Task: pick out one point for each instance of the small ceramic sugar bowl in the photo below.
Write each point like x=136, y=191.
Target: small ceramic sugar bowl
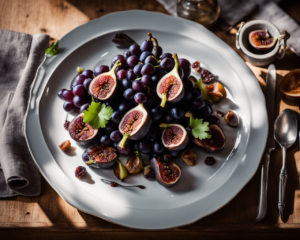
x=253, y=56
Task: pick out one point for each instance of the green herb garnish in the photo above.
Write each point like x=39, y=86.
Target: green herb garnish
x=97, y=115
x=52, y=50
x=199, y=128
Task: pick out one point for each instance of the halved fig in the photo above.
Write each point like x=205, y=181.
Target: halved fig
x=167, y=174
x=189, y=157
x=81, y=132
x=135, y=124
x=120, y=171
x=174, y=136
x=261, y=40
x=101, y=157
x=214, y=92
x=231, y=119
x=216, y=142
x=134, y=163
x=290, y=85
x=170, y=86
x=103, y=86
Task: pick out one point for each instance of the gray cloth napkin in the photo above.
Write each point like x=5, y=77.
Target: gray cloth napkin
x=234, y=11
x=20, y=56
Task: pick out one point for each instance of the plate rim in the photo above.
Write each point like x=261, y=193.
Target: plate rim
x=129, y=12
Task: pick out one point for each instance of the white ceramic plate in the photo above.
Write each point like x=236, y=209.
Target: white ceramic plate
x=202, y=189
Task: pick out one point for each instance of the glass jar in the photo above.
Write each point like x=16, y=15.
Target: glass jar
x=205, y=12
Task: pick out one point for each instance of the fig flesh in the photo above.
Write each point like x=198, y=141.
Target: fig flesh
x=189, y=157
x=134, y=163
x=174, y=136
x=81, y=132
x=170, y=86
x=215, y=92
x=135, y=124
x=261, y=40
x=290, y=85
x=231, y=119
x=101, y=157
x=120, y=171
x=103, y=86
x=167, y=174
x=216, y=142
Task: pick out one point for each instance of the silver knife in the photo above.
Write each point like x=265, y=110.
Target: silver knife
x=270, y=104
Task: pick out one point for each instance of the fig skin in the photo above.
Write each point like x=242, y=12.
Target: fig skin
x=156, y=164
x=86, y=141
x=290, y=85
x=206, y=144
x=136, y=157
x=96, y=150
x=120, y=171
x=189, y=157
x=182, y=144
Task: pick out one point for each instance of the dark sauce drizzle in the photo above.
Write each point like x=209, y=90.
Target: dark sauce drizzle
x=115, y=184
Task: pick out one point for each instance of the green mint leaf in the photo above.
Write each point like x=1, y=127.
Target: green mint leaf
x=52, y=50
x=97, y=115
x=199, y=128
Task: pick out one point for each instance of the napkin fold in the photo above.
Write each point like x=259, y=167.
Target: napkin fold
x=234, y=11
x=20, y=56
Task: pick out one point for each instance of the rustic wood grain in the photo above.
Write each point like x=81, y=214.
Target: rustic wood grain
x=50, y=217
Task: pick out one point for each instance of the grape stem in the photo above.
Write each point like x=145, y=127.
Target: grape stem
x=123, y=141
x=163, y=99
x=79, y=69
x=150, y=36
x=90, y=162
x=163, y=125
x=117, y=63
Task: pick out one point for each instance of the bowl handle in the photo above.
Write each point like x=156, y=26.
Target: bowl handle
x=237, y=44
x=281, y=51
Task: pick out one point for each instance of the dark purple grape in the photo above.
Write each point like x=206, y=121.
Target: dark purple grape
x=138, y=86
x=167, y=55
x=126, y=83
x=116, y=117
x=166, y=158
x=167, y=106
x=146, y=46
x=147, y=80
x=188, y=85
x=127, y=54
x=110, y=126
x=159, y=72
x=140, y=97
x=158, y=148
x=148, y=69
x=135, y=50
x=166, y=64
x=69, y=107
x=122, y=60
x=60, y=93
x=177, y=113
x=131, y=75
x=204, y=112
x=159, y=51
x=137, y=70
x=197, y=94
x=174, y=153
x=153, y=134
x=88, y=73
x=128, y=94
x=151, y=101
x=124, y=107
x=132, y=61
x=144, y=55
x=212, y=119
x=105, y=140
x=155, y=80
x=84, y=107
x=79, y=90
x=121, y=74
x=197, y=104
x=85, y=157
x=112, y=104
x=79, y=80
x=187, y=96
x=79, y=101
x=180, y=72
x=209, y=104
x=68, y=95
x=168, y=118
x=156, y=113
x=116, y=136
x=101, y=69
x=145, y=146
x=186, y=67
x=151, y=60
x=126, y=151
x=86, y=83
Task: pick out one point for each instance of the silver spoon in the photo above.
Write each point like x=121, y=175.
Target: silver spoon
x=285, y=134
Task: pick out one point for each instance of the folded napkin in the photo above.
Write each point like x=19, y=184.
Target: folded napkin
x=20, y=56
x=234, y=11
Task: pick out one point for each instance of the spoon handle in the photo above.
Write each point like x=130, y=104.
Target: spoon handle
x=282, y=183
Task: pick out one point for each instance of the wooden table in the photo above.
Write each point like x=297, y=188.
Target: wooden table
x=50, y=217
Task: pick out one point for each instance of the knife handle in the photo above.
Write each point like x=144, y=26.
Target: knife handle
x=262, y=203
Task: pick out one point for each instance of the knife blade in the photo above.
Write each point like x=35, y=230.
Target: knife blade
x=270, y=146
